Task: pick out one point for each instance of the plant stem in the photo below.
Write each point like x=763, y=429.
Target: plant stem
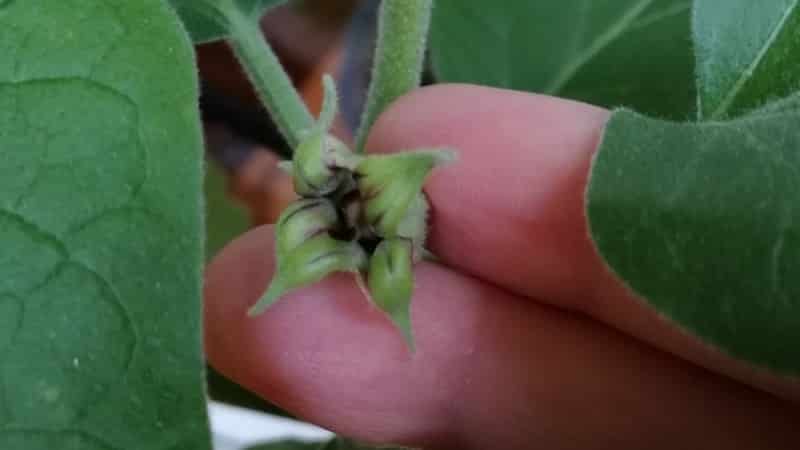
x=270, y=80
x=399, y=55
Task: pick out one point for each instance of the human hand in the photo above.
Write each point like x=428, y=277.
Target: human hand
x=524, y=338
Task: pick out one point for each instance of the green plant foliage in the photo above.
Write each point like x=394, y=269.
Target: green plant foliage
x=702, y=220
x=100, y=226
x=697, y=218
x=634, y=53
x=206, y=23
x=746, y=54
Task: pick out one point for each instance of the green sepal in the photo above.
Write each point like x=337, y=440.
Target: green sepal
x=303, y=219
x=391, y=283
x=305, y=250
x=310, y=262
x=414, y=225
x=391, y=185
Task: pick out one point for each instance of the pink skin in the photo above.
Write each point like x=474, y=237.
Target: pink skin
x=524, y=337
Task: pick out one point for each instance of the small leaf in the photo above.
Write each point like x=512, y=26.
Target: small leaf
x=391, y=185
x=391, y=282
x=205, y=19
x=703, y=221
x=634, y=53
x=100, y=228
x=746, y=54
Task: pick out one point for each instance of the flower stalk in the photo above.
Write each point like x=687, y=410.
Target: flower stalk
x=399, y=58
x=270, y=80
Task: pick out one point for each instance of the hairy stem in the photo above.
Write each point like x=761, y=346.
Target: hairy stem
x=270, y=80
x=400, y=53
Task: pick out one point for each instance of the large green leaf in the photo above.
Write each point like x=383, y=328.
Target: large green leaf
x=100, y=228
x=746, y=53
x=206, y=22
x=703, y=221
x=634, y=53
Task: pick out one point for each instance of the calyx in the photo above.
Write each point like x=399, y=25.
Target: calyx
x=365, y=214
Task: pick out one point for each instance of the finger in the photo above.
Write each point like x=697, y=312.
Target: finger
x=491, y=371
x=511, y=209
x=511, y=205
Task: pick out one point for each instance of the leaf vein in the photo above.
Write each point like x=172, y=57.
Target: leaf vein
x=604, y=40
x=730, y=97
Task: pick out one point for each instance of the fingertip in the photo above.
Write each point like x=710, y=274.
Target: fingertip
x=435, y=115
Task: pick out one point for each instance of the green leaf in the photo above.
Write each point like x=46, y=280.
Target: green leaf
x=746, y=53
x=703, y=221
x=206, y=23
x=634, y=53
x=101, y=228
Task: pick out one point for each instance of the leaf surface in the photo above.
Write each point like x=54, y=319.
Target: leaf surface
x=100, y=228
x=703, y=221
x=746, y=54
x=634, y=53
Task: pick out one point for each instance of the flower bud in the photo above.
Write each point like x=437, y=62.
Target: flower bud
x=313, y=173
x=320, y=157
x=391, y=282
x=391, y=186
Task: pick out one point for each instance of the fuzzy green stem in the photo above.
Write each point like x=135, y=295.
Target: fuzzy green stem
x=399, y=56
x=270, y=80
